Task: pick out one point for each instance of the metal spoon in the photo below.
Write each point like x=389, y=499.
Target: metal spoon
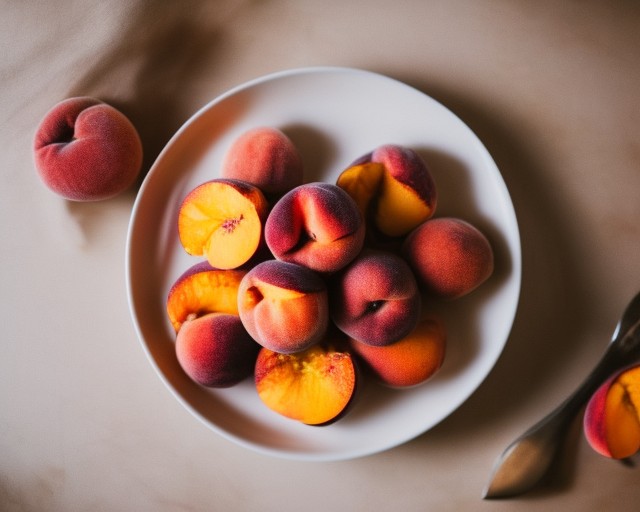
x=527, y=459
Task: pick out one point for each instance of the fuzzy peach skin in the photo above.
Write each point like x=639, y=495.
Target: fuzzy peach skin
x=222, y=219
x=375, y=299
x=215, y=350
x=86, y=150
x=410, y=361
x=612, y=416
x=202, y=289
x=316, y=225
x=283, y=306
x=316, y=386
x=449, y=256
x=393, y=189
x=266, y=157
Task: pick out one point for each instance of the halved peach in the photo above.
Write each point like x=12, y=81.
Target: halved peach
x=612, y=416
x=222, y=219
x=393, y=189
x=202, y=289
x=315, y=386
x=410, y=361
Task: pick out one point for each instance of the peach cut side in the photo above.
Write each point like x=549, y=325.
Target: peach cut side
x=222, y=223
x=622, y=415
x=313, y=386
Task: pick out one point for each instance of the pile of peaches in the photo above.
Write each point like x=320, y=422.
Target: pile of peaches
x=302, y=285
x=307, y=286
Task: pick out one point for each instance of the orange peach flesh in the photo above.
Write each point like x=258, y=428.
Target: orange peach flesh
x=410, y=361
x=622, y=415
x=223, y=224
x=395, y=207
x=204, y=292
x=313, y=386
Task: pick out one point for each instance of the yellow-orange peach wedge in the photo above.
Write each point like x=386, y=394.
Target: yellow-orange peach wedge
x=266, y=157
x=410, y=361
x=612, y=416
x=315, y=387
x=393, y=189
x=202, y=289
x=449, y=256
x=316, y=225
x=283, y=306
x=215, y=350
x=222, y=219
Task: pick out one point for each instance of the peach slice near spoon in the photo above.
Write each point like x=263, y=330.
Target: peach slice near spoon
x=612, y=416
x=527, y=459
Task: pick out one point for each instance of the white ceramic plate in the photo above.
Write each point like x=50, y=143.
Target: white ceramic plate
x=333, y=115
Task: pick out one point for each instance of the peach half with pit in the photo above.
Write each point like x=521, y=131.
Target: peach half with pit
x=265, y=157
x=87, y=150
x=375, y=299
x=612, y=416
x=215, y=350
x=316, y=386
x=393, y=188
x=449, y=256
x=202, y=289
x=316, y=225
x=410, y=361
x=283, y=306
x=222, y=219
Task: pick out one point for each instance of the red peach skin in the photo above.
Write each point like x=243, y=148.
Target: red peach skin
x=215, y=350
x=316, y=225
x=449, y=256
x=375, y=299
x=265, y=157
x=86, y=150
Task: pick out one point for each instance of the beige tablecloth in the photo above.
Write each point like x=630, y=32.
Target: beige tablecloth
x=552, y=90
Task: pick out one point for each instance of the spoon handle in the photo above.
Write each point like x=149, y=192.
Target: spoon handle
x=523, y=464
x=612, y=360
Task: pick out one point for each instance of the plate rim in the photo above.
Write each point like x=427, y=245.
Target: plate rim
x=515, y=254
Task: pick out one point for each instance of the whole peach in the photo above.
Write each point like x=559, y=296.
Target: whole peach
x=265, y=157
x=86, y=150
x=449, y=256
x=203, y=289
x=215, y=350
x=283, y=306
x=375, y=299
x=316, y=225
x=410, y=361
